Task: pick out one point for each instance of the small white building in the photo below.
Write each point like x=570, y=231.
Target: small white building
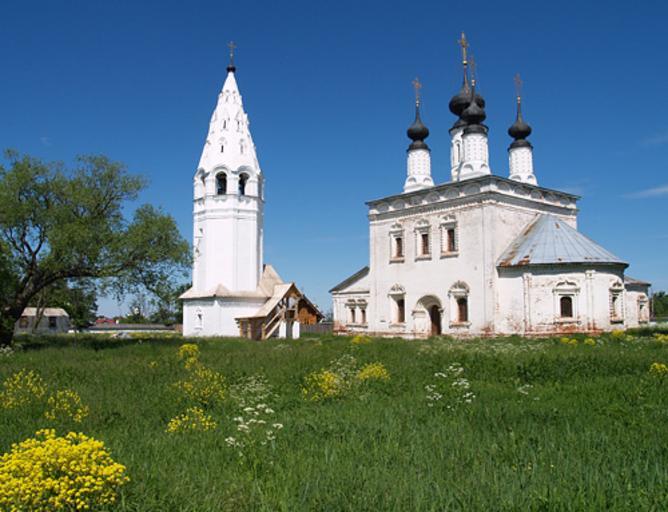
x=45, y=321
x=482, y=254
x=234, y=293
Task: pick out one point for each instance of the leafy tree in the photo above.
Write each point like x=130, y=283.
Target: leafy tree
x=61, y=225
x=168, y=309
x=660, y=304
x=78, y=299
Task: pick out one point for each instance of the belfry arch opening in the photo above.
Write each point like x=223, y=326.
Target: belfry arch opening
x=221, y=183
x=243, y=181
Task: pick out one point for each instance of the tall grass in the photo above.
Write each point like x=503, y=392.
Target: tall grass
x=552, y=426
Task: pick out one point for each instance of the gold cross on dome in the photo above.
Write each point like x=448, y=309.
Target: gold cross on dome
x=231, y=46
x=472, y=65
x=464, y=44
x=417, y=86
x=518, y=86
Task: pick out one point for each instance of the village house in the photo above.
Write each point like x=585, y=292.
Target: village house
x=43, y=321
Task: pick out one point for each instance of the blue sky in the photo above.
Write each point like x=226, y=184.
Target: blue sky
x=328, y=90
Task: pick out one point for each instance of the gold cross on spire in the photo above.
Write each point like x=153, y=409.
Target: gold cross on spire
x=231, y=46
x=473, y=71
x=464, y=44
x=518, y=87
x=417, y=86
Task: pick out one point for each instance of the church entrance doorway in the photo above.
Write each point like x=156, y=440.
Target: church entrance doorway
x=435, y=319
x=428, y=316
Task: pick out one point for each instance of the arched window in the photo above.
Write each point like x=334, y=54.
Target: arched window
x=221, y=183
x=241, y=147
x=243, y=179
x=566, y=307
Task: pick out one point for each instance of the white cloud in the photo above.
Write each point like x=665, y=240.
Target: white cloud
x=656, y=140
x=661, y=190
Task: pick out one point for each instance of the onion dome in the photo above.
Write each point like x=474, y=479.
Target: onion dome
x=473, y=113
x=519, y=130
x=417, y=132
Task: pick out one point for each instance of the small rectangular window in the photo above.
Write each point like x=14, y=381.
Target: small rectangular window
x=450, y=233
x=363, y=315
x=462, y=310
x=23, y=322
x=425, y=243
x=352, y=315
x=398, y=247
x=566, y=307
x=53, y=322
x=401, y=311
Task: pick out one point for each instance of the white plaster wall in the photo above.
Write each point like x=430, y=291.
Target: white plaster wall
x=632, y=299
x=218, y=315
x=530, y=291
x=418, y=170
x=520, y=161
x=432, y=276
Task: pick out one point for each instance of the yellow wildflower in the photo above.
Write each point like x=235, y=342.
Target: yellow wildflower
x=66, y=404
x=618, y=334
x=590, y=341
x=52, y=473
x=360, y=339
x=193, y=420
x=21, y=388
x=188, y=351
x=659, y=369
x=663, y=338
x=322, y=385
x=569, y=341
x=373, y=371
x=203, y=385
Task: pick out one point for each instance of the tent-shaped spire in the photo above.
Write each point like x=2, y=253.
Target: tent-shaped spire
x=229, y=142
x=549, y=240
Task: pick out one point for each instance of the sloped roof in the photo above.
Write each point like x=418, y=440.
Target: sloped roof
x=350, y=280
x=635, y=282
x=47, y=312
x=549, y=240
x=280, y=291
x=264, y=290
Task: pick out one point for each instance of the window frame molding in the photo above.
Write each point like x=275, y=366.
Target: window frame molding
x=397, y=231
x=447, y=223
x=423, y=227
x=566, y=288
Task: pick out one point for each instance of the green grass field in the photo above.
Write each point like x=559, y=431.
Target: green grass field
x=550, y=426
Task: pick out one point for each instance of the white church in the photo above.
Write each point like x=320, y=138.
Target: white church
x=482, y=254
x=233, y=292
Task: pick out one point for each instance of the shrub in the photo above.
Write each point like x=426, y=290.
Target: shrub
x=52, y=473
x=322, y=385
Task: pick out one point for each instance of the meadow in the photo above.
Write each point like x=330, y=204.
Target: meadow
x=323, y=423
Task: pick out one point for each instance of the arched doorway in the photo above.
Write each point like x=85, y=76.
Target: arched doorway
x=428, y=316
x=435, y=319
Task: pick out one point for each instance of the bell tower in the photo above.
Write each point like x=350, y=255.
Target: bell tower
x=228, y=199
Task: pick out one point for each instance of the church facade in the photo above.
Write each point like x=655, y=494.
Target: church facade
x=482, y=254
x=233, y=292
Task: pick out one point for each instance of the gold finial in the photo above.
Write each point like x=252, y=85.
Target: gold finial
x=231, y=46
x=472, y=65
x=417, y=86
x=518, y=87
x=464, y=44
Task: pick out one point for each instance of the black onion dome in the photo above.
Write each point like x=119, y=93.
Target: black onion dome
x=417, y=132
x=474, y=113
x=460, y=100
x=519, y=129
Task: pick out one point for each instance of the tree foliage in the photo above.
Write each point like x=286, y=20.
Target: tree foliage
x=61, y=225
x=660, y=304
